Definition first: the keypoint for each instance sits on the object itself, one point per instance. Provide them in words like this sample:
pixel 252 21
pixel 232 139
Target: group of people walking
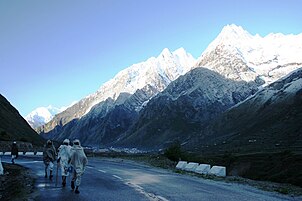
pixel 71 159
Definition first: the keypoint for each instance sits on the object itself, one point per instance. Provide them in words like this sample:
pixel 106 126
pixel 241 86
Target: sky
pixel 57 52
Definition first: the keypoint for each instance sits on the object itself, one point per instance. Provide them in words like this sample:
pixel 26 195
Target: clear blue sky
pixel 56 52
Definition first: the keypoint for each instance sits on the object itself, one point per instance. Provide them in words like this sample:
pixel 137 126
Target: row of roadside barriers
pixel 205 169
pixel 39 153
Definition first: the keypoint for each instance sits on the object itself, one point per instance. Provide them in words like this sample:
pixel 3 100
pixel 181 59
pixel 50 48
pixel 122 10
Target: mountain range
pixel 175 97
pixel 238 55
pixel 139 82
pixel 187 104
pixel 267 121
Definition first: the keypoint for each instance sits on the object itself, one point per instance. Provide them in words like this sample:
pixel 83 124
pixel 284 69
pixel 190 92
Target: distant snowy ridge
pixel 42 115
pixel 168 66
pixel 238 55
pixel 148 78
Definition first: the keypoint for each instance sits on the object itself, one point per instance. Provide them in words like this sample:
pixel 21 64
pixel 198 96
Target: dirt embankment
pixel 17 183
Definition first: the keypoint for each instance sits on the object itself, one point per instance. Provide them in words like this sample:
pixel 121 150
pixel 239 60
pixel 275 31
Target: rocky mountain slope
pixel 268 121
pixel 134 87
pixel 186 105
pixel 13 127
pixel 144 107
pixel 235 54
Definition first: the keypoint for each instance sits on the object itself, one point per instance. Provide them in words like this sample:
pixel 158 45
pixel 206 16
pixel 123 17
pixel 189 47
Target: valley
pixel 238 104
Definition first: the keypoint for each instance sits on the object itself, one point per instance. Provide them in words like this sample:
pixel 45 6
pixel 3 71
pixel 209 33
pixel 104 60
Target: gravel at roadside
pixel 17 183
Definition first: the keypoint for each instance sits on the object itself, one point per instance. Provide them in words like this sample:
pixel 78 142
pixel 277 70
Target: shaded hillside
pixel 14 127
pixel 259 138
pixel 104 123
pixel 99 128
pixel 267 122
pixel 184 107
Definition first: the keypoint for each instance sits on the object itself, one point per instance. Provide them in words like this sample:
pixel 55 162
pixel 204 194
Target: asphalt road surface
pixel 117 179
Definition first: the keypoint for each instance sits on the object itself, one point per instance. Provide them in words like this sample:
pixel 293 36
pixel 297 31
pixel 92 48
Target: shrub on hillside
pixel 174 152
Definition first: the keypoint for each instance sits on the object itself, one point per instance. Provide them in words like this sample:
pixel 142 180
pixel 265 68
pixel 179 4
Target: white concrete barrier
pixel 203 169
pixel 39 153
pixel 20 153
pixel 219 171
pixel 29 154
pixel 191 166
pixel 7 153
pixel 181 165
pixel 1 167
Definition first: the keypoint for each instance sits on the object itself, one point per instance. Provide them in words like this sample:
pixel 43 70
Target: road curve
pixel 117 179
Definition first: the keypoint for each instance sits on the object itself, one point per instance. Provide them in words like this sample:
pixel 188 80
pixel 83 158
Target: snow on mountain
pixel 192 100
pixel 270 120
pixel 153 74
pixel 166 67
pixel 235 54
pixel 238 55
pixel 42 115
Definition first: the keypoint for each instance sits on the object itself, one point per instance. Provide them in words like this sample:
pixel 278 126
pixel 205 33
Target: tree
pixel 174 152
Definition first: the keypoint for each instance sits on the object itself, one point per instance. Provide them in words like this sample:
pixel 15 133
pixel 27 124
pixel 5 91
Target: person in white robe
pixel 63 158
pixel 78 160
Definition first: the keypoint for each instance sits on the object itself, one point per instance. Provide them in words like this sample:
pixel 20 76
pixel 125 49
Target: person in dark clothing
pixel 14 152
pixel 49 156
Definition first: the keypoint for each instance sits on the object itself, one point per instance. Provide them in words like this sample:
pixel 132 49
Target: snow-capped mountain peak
pixel 233 30
pixel 42 115
pixel 231 35
pixel 149 77
pixel 183 57
pixel 157 72
pixel 181 52
pixel 165 53
pixel 238 55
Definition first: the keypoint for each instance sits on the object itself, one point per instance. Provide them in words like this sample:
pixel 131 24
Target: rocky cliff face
pixel 106 121
pixel 187 104
pixel 267 121
pixel 140 82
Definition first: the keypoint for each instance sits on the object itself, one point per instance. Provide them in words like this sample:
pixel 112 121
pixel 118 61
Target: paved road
pixel 116 179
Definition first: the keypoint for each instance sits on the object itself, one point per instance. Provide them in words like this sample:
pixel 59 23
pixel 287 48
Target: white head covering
pixel 76 141
pixel 66 141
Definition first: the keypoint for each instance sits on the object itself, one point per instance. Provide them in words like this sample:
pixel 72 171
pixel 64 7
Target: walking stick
pixel 57 174
pixel 1 167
